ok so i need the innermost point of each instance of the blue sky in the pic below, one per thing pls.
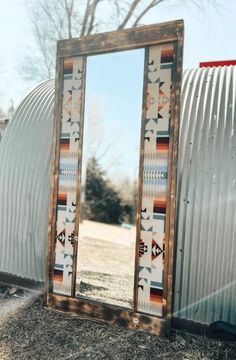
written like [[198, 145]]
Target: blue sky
[[209, 35], [15, 39], [114, 100]]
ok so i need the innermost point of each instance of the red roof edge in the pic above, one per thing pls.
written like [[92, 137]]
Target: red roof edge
[[217, 63]]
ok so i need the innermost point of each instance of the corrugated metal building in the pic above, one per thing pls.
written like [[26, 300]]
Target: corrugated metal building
[[25, 155], [205, 285]]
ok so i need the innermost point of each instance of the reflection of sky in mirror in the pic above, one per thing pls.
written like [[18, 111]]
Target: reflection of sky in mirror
[[113, 109]]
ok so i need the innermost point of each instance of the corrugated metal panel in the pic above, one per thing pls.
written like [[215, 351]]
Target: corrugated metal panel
[[206, 208], [206, 268], [25, 155]]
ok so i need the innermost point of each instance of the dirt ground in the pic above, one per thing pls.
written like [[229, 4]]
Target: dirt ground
[[31, 331], [105, 266]]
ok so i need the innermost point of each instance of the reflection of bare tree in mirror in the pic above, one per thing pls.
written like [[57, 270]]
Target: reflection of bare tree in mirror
[[99, 144], [108, 202], [94, 152]]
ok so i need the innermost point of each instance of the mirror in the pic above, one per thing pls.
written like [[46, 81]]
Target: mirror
[[109, 177], [92, 248]]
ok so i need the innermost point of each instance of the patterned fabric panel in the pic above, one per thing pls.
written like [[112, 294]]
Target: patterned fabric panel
[[68, 169], [154, 195]]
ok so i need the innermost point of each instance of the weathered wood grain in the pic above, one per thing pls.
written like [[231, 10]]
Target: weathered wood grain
[[115, 315], [121, 40], [170, 32]]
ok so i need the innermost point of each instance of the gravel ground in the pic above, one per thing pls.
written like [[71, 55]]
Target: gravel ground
[[106, 271], [35, 332]]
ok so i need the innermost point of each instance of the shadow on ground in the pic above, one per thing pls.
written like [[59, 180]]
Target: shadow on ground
[[41, 334]]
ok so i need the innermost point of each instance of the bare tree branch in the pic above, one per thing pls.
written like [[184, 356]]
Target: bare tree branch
[[69, 12], [85, 19], [130, 12], [59, 19], [92, 16], [117, 7], [152, 4], [52, 20]]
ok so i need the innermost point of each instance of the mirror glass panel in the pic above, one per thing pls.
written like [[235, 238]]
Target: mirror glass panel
[[109, 177]]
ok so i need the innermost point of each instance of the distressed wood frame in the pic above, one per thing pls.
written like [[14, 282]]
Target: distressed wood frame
[[141, 37]]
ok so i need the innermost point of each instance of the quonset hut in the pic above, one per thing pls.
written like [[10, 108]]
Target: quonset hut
[[205, 267], [25, 155]]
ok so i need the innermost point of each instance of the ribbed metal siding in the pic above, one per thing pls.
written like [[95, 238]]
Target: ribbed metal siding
[[25, 155], [205, 286]]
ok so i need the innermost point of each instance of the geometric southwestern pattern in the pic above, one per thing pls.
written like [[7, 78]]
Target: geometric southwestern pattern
[[155, 172], [68, 170]]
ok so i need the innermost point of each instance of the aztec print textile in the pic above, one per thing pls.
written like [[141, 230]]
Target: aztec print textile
[[155, 172], [155, 178], [68, 170]]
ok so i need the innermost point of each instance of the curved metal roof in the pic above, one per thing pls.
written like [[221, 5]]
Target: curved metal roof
[[25, 155], [205, 288], [205, 266]]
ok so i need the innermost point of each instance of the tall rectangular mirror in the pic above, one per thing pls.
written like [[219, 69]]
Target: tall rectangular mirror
[[111, 221], [109, 179]]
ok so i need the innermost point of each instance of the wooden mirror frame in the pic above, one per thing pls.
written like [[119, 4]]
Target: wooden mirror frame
[[163, 44]]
